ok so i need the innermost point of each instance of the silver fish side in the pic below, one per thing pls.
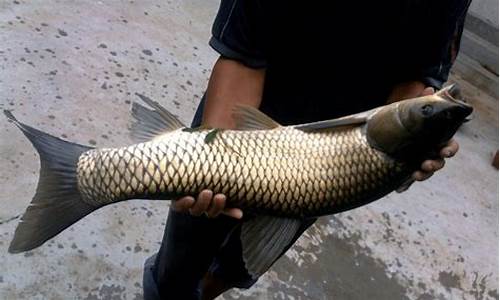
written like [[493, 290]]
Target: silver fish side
[[284, 171]]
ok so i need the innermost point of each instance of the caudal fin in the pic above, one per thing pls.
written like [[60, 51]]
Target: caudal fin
[[57, 202]]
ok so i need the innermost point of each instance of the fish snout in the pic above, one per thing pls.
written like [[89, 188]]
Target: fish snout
[[460, 111]]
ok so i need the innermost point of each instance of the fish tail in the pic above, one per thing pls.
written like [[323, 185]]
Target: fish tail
[[57, 203]]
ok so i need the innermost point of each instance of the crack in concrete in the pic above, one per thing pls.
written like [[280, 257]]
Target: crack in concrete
[[10, 219]]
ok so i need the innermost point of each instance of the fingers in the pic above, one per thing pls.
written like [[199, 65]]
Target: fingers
[[218, 203], [206, 203], [449, 150], [202, 203], [183, 204], [432, 165], [421, 175], [428, 167]]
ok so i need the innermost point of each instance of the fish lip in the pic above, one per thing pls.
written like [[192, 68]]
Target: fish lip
[[459, 113], [450, 92], [468, 110], [465, 110]]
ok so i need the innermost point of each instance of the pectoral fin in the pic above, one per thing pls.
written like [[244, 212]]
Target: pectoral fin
[[263, 239], [406, 185]]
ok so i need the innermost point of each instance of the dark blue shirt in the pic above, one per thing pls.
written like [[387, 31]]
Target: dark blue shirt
[[326, 59]]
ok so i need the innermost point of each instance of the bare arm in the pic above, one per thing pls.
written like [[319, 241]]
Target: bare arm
[[231, 83]]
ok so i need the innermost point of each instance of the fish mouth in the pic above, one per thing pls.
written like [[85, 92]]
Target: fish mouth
[[462, 110]]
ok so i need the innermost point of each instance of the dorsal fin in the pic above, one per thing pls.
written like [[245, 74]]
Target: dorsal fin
[[351, 120], [250, 118], [149, 123]]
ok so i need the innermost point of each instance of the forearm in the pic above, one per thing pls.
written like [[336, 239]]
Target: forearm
[[231, 84], [406, 90]]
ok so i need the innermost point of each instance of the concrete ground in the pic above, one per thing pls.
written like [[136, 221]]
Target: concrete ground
[[71, 68]]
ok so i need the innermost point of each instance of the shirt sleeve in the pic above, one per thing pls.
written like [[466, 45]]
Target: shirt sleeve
[[444, 43], [238, 32]]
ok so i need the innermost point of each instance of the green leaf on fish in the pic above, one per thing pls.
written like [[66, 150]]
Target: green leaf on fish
[[211, 135], [195, 129]]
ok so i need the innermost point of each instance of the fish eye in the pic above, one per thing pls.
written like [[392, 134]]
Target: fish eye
[[427, 110]]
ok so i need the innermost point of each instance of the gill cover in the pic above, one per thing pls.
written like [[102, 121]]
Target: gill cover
[[416, 127]]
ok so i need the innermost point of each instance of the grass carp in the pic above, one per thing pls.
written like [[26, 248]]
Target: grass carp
[[281, 174]]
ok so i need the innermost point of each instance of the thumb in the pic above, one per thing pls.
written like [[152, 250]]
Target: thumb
[[233, 212], [427, 91]]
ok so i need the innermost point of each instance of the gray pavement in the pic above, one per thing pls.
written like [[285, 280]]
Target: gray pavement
[[71, 68]]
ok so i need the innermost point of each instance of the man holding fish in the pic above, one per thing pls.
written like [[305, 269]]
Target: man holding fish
[[298, 64]]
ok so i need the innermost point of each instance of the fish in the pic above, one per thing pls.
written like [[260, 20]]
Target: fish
[[280, 175]]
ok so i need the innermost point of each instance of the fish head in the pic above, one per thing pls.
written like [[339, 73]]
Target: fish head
[[417, 127]]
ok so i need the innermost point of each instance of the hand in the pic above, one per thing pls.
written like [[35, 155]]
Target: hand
[[206, 203], [428, 167]]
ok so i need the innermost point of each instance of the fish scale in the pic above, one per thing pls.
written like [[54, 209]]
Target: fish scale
[[261, 172]]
